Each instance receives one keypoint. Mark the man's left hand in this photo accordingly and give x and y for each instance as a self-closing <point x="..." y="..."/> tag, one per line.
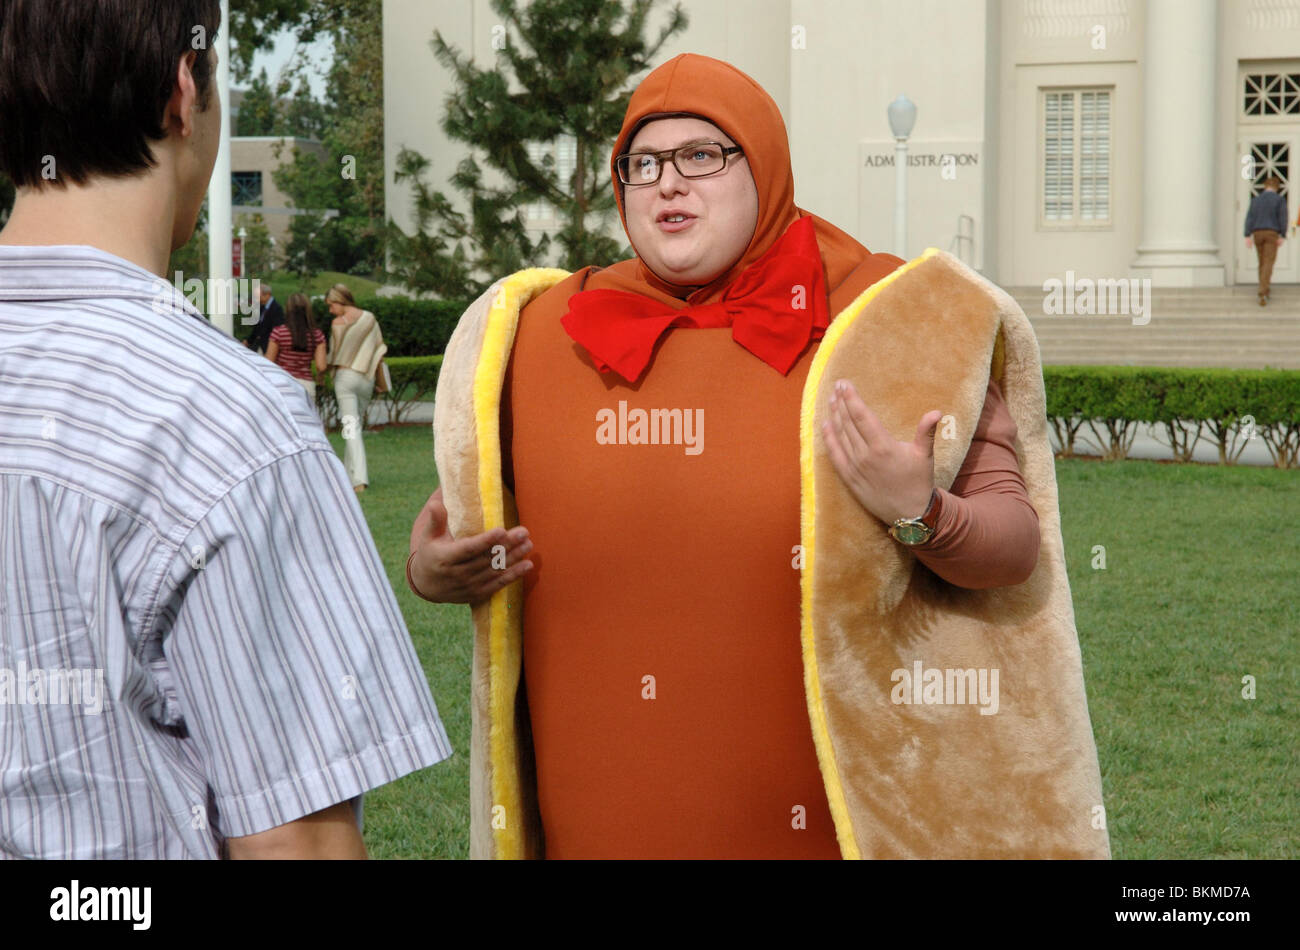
<point x="890" y="479"/>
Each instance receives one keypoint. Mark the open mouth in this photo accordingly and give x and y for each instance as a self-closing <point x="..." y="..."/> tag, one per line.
<point x="671" y="220"/>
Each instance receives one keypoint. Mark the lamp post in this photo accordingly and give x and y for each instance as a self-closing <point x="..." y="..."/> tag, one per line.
<point x="902" y="117"/>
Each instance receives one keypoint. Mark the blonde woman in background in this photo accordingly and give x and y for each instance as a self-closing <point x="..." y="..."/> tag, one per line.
<point x="356" y="347"/>
<point x="297" y="346"/>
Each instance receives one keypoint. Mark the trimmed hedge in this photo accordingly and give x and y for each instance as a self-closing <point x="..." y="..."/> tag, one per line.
<point x="1227" y="406"/>
<point x="415" y="378"/>
<point x="410" y="327"/>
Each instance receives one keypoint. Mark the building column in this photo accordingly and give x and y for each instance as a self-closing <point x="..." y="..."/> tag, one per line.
<point x="1177" y="248"/>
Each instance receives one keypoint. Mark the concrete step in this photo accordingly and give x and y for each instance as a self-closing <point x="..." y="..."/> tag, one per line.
<point x="1214" y="327"/>
<point x="1257" y="359"/>
<point x="1190" y="359"/>
<point x="1263" y="318"/>
<point x="1274" y="309"/>
<point x="1217" y="332"/>
<point x="1131" y="342"/>
<point x="1033" y="300"/>
<point x="1165" y="315"/>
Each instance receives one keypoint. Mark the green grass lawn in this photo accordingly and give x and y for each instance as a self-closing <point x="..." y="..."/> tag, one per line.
<point x="1199" y="590"/>
<point x="426" y="814"/>
<point x="285" y="283"/>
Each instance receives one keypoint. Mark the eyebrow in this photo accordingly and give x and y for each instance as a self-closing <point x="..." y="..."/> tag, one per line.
<point x="697" y="141"/>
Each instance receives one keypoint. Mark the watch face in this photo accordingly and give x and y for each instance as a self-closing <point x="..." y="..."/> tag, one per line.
<point x="912" y="533"/>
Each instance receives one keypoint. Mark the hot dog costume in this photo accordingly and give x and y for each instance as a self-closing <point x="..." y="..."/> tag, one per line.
<point x="720" y="653"/>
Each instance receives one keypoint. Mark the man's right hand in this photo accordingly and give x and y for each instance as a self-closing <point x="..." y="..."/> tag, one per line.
<point x="448" y="570"/>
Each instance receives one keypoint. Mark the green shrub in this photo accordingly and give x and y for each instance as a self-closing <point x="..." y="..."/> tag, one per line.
<point x="410" y="327"/>
<point x="1230" y="405"/>
<point x="415" y="378"/>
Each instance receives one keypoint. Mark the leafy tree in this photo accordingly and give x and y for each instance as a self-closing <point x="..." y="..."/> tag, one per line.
<point x="300" y="114"/>
<point x="434" y="258"/>
<point x="191" y="260"/>
<point x="262" y="112"/>
<point x="255" y="23"/>
<point x="258" y="111"/>
<point x="259" y="253"/>
<point x="564" y="69"/>
<point x="349" y="177"/>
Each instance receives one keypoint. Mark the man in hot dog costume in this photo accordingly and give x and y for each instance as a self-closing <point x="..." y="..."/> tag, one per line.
<point x="799" y="587"/>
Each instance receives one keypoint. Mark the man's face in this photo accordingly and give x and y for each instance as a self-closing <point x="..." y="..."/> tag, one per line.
<point x="721" y="211"/>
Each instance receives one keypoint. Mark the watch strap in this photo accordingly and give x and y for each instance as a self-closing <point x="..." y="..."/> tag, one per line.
<point x="931" y="514"/>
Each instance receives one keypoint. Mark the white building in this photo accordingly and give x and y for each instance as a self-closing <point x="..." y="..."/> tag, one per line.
<point x="1111" y="138"/>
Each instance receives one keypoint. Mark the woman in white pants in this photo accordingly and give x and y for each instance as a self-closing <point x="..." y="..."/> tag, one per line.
<point x="356" y="347"/>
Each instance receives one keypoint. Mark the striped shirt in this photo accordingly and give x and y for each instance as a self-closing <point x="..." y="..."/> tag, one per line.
<point x="296" y="363"/>
<point x="197" y="636"/>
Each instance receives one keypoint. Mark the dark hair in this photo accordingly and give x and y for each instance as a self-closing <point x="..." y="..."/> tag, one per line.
<point x="298" y="318"/>
<point x="1272" y="181"/>
<point x="86" y="82"/>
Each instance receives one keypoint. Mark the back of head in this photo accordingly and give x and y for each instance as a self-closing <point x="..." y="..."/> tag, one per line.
<point x="84" y="83"/>
<point x="298" y="318"/>
<point x="339" y="293"/>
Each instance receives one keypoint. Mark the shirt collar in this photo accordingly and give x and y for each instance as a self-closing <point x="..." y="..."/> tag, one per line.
<point x="69" y="272"/>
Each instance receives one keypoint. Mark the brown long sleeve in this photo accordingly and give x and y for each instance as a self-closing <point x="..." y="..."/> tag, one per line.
<point x="986" y="529"/>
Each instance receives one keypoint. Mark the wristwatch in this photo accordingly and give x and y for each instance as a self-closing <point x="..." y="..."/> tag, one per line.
<point x="914" y="531"/>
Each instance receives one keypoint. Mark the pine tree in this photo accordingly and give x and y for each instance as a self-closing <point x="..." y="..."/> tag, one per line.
<point x="258" y="112"/>
<point x="301" y="114"/>
<point x="349" y="176"/>
<point x="563" y="68"/>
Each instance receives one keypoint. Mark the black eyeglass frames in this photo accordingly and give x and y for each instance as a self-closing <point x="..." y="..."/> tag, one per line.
<point x="692" y="161"/>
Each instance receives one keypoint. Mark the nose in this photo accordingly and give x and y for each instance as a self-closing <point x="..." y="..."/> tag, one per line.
<point x="671" y="181"/>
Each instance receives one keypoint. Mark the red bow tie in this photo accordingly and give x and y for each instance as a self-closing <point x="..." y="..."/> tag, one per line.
<point x="775" y="308"/>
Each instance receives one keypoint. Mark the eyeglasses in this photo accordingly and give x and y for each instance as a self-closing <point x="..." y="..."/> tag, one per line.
<point x="691" y="161"/>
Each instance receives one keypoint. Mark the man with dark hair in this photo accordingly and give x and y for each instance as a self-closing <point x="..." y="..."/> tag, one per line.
<point x="271" y="316"/>
<point x="1265" y="225"/>
<point x="198" y="656"/>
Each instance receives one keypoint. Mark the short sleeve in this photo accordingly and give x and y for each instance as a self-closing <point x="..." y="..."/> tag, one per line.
<point x="291" y="663"/>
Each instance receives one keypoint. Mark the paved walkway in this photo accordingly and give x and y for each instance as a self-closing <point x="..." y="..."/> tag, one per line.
<point x="377" y="414"/>
<point x="1152" y="445"/>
